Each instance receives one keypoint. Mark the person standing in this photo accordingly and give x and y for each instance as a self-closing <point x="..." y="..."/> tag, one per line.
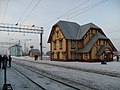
<point x="0" y="61"/>
<point x="4" y="61"/>
<point x="10" y="59"/>
<point x="117" y="58"/>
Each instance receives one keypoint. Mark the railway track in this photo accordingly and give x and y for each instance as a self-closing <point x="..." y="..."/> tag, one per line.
<point x="112" y="74"/>
<point x="33" y="69"/>
<point x="41" y="87"/>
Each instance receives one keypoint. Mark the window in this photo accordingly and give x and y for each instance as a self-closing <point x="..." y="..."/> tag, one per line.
<point x="60" y="44"/>
<point x="73" y="44"/>
<point x="98" y="42"/>
<point x="57" y="34"/>
<point x="86" y="56"/>
<point x="73" y="55"/>
<point x="80" y="44"/>
<point x="80" y="56"/>
<point x="53" y="37"/>
<point x="64" y="55"/>
<point x="54" y="44"/>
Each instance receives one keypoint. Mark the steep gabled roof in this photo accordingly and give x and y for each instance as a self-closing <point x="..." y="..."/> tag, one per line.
<point x="69" y="29"/>
<point x="34" y="51"/>
<point x="84" y="28"/>
<point x="16" y="45"/>
<point x="72" y="30"/>
<point x="91" y="43"/>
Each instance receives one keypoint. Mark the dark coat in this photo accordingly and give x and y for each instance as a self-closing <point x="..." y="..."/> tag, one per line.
<point x="1" y="58"/>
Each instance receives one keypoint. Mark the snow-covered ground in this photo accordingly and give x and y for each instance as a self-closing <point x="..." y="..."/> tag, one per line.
<point x="94" y="80"/>
<point x="71" y="72"/>
<point x="113" y="67"/>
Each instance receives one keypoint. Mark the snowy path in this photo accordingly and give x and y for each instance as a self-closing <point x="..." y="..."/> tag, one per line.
<point x="95" y="81"/>
<point x="17" y="81"/>
<point x="110" y="67"/>
<point x="46" y="83"/>
<point x="55" y="83"/>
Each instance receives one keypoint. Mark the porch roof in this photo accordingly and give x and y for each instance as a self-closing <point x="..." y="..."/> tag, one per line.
<point x="101" y="50"/>
<point x="91" y="43"/>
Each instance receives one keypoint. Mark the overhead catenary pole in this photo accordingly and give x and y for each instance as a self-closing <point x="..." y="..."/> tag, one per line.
<point x="23" y="29"/>
<point x="41" y="51"/>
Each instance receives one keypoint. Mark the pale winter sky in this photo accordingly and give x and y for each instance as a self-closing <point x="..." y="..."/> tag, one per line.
<point x="45" y="13"/>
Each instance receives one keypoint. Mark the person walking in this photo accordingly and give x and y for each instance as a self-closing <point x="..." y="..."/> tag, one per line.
<point x="117" y="58"/>
<point x="36" y="57"/>
<point x="4" y="61"/>
<point x="10" y="59"/>
<point x="0" y="61"/>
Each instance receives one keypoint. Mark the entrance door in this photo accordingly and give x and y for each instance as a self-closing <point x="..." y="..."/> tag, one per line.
<point x="108" y="56"/>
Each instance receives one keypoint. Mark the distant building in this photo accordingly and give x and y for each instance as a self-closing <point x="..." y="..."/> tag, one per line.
<point x="16" y="50"/>
<point x="88" y="43"/>
<point x="34" y="52"/>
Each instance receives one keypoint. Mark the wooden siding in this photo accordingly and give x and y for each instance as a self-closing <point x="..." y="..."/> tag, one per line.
<point x="56" y="37"/>
<point x="67" y="53"/>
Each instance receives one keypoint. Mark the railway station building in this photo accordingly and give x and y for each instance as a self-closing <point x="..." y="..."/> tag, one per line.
<point x="70" y="41"/>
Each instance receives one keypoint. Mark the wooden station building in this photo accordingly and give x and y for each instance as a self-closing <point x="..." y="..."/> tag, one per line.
<point x="71" y="42"/>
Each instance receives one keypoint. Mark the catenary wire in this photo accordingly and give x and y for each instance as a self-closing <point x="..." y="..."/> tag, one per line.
<point x="85" y="9"/>
<point x="0" y="10"/>
<point x="74" y="8"/>
<point x="67" y="12"/>
<point x="113" y="31"/>
<point x="25" y="11"/>
<point x="5" y="11"/>
<point x="89" y="8"/>
<point x="31" y="11"/>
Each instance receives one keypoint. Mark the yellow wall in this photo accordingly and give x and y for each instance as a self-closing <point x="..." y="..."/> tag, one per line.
<point x="56" y="37"/>
<point x="88" y="35"/>
<point x="94" y="51"/>
<point x="72" y="50"/>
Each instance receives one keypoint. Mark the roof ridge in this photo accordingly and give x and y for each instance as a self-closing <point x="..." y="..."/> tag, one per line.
<point x="79" y="32"/>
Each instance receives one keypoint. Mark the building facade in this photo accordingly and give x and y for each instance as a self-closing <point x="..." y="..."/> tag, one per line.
<point x="71" y="42"/>
<point x="34" y="52"/>
<point x="16" y="50"/>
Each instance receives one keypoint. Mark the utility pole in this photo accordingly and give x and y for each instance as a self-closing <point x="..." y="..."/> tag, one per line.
<point x="41" y="46"/>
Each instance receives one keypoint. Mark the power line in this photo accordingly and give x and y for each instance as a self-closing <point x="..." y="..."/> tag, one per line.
<point x="83" y="10"/>
<point x="86" y="7"/>
<point x="67" y="12"/>
<point x="25" y="11"/>
<point x="113" y="31"/>
<point x="74" y="9"/>
<point x="5" y="11"/>
<point x="0" y="9"/>
<point x="31" y="11"/>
